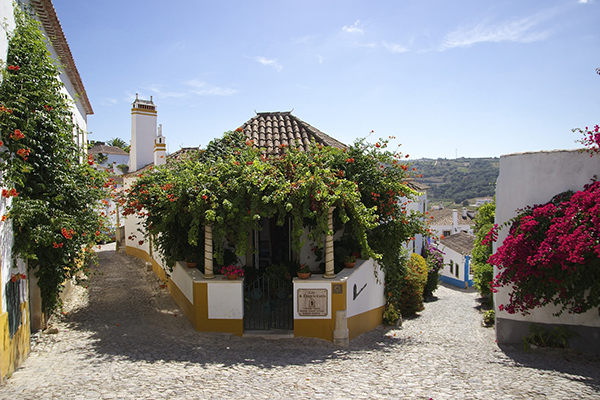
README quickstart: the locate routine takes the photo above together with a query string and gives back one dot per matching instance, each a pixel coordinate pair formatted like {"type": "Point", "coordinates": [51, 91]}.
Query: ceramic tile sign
{"type": "Point", "coordinates": [312, 302]}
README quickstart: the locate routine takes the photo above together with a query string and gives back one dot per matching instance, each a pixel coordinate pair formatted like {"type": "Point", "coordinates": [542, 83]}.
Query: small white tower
{"type": "Point", "coordinates": [143, 133]}
{"type": "Point", "coordinates": [160, 148]}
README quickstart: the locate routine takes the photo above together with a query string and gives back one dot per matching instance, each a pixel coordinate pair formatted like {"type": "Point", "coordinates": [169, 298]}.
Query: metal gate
{"type": "Point", "coordinates": [268, 304]}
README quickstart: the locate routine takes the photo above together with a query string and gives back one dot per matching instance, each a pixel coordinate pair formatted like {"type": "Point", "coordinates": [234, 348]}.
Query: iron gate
{"type": "Point", "coordinates": [268, 304]}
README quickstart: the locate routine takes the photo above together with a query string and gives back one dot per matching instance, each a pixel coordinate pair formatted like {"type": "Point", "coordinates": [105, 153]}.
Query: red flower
{"type": "Point", "coordinates": [23, 153]}
{"type": "Point", "coordinates": [377, 145]}
{"type": "Point", "coordinates": [204, 197]}
{"type": "Point", "coordinates": [68, 234]}
{"type": "Point", "coordinates": [57, 245]}
{"type": "Point", "coordinates": [141, 242]}
{"type": "Point", "coordinates": [1, 143]}
{"type": "Point", "coordinates": [17, 134]}
{"type": "Point", "coordinates": [13, 68]}
{"type": "Point", "coordinates": [349, 160]}
{"type": "Point", "coordinates": [4, 217]}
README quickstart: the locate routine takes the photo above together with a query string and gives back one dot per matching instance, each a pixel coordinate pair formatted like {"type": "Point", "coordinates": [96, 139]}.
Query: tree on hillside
{"type": "Point", "coordinates": [483, 273]}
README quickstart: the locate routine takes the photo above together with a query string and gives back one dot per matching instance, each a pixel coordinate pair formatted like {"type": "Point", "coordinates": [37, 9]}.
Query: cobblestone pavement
{"type": "Point", "coordinates": [124, 338]}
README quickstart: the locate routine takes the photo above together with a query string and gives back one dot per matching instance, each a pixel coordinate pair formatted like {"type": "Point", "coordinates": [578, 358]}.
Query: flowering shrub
{"type": "Point", "coordinates": [435, 262]}
{"type": "Point", "coordinates": [231, 185]}
{"type": "Point", "coordinates": [49, 193]}
{"type": "Point", "coordinates": [232, 270]}
{"type": "Point", "coordinates": [552, 254]}
{"type": "Point", "coordinates": [591, 139]}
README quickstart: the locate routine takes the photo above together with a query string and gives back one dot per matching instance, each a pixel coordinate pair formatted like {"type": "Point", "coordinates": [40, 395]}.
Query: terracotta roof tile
{"type": "Point", "coordinates": [460, 242]}
{"type": "Point", "coordinates": [270, 130]}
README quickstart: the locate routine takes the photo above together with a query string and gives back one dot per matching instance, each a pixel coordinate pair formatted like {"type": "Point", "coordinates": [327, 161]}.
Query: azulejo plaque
{"type": "Point", "coordinates": [312, 302]}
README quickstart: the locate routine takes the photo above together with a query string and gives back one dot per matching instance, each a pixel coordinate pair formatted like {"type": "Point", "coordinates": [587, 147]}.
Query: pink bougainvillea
{"type": "Point", "coordinates": [552, 254]}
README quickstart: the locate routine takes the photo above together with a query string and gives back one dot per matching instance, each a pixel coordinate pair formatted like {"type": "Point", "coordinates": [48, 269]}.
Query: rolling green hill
{"type": "Point", "coordinates": [457, 180]}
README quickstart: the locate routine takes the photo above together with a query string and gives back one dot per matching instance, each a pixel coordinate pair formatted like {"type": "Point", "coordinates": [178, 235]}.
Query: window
{"type": "Point", "coordinates": [446, 233]}
{"type": "Point", "coordinates": [457, 269]}
{"type": "Point", "coordinates": [451, 267]}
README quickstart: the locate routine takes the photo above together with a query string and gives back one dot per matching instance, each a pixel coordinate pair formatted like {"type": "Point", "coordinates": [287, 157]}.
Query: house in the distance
{"type": "Point", "coordinates": [111, 158]}
{"type": "Point", "coordinates": [448, 221]}
{"type": "Point", "coordinates": [457, 250]}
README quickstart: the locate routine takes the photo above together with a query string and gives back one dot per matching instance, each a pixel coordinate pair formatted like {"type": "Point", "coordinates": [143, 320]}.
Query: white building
{"type": "Point", "coordinates": [457, 250]}
{"type": "Point", "coordinates": [446, 222]}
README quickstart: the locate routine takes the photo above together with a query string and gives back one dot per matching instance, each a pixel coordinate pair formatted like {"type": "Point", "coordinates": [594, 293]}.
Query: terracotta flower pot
{"type": "Point", "coordinates": [191, 264]}
{"type": "Point", "coordinates": [232, 276]}
{"type": "Point", "coordinates": [350, 265]}
{"type": "Point", "coordinates": [303, 275]}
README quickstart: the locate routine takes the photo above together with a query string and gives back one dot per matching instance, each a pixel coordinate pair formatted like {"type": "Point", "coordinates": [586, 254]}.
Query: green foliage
{"type": "Point", "coordinates": [483, 273]}
{"type": "Point", "coordinates": [435, 262]}
{"type": "Point", "coordinates": [52, 196]}
{"type": "Point", "coordinates": [458, 179]}
{"type": "Point", "coordinates": [120, 143]}
{"type": "Point", "coordinates": [412, 285]}
{"type": "Point", "coordinates": [231, 185]}
{"type": "Point", "coordinates": [558, 337]}
{"type": "Point", "coordinates": [489, 317]}
{"type": "Point", "coordinates": [391, 315]}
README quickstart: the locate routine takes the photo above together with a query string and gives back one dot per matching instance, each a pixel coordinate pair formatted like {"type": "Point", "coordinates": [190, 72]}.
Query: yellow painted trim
{"type": "Point", "coordinates": [14, 352]}
{"type": "Point", "coordinates": [140, 111]}
{"type": "Point", "coordinates": [365, 322]}
{"type": "Point", "coordinates": [205, 324]}
{"type": "Point", "coordinates": [315, 328]}
{"type": "Point", "coordinates": [197, 313]}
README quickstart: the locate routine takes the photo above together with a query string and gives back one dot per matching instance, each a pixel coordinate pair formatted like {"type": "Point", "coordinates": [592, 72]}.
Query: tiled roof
{"type": "Point", "coordinates": [104, 149]}
{"type": "Point", "coordinates": [460, 242]}
{"type": "Point", "coordinates": [418, 186]}
{"type": "Point", "coordinates": [47, 15]}
{"type": "Point", "coordinates": [270, 130]}
{"type": "Point", "coordinates": [444, 217]}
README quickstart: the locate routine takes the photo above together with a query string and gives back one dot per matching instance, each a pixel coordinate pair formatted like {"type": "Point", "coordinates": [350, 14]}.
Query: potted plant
{"type": "Point", "coordinates": [232, 271]}
{"type": "Point", "coordinates": [303, 272]}
{"type": "Point", "coordinates": [190, 260]}
{"type": "Point", "coordinates": [350, 260]}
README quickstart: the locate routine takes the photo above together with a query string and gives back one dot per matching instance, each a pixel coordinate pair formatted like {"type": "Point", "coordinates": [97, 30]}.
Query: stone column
{"type": "Point", "coordinates": [208, 253]}
{"type": "Point", "coordinates": [329, 248]}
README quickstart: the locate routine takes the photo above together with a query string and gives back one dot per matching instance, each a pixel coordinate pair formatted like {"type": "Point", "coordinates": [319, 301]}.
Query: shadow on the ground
{"type": "Point", "coordinates": [584, 368]}
{"type": "Point", "coordinates": [129, 316]}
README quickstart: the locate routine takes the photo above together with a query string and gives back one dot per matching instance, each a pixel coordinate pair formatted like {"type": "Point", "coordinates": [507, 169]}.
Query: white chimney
{"type": "Point", "coordinates": [160, 148]}
{"type": "Point", "coordinates": [143, 132]}
{"type": "Point", "coordinates": [464, 213]}
{"type": "Point", "coordinates": [454, 221]}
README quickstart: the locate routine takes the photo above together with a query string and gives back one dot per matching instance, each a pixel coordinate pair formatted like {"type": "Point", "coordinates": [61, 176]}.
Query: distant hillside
{"type": "Point", "coordinates": [458, 179]}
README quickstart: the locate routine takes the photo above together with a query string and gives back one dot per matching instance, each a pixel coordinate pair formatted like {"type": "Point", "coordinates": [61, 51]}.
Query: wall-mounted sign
{"type": "Point", "coordinates": [312, 302]}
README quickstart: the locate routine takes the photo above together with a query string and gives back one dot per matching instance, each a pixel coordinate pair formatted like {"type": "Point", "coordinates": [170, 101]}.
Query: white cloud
{"type": "Point", "coordinates": [203, 89]}
{"type": "Point", "coordinates": [156, 89]}
{"type": "Point", "coordinates": [395, 48]}
{"type": "Point", "coordinates": [354, 28]}
{"type": "Point", "coordinates": [515, 30]}
{"type": "Point", "coordinates": [320, 58]}
{"type": "Point", "coordinates": [109, 102]}
{"type": "Point", "coordinates": [585, 1]}
{"type": "Point", "coordinates": [269, 63]}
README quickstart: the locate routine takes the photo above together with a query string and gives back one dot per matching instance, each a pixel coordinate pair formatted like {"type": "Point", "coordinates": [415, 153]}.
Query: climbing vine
{"type": "Point", "coordinates": [49, 186]}
{"type": "Point", "coordinates": [231, 185]}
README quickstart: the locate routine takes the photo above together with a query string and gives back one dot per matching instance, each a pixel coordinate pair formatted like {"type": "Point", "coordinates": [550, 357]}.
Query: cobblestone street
{"type": "Point", "coordinates": [124, 338]}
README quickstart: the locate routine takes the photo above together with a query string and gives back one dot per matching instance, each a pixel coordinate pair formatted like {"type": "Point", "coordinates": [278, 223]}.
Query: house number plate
{"type": "Point", "coordinates": [312, 302]}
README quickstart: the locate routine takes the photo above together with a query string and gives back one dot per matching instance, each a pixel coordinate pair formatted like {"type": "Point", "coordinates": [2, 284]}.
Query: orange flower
{"type": "Point", "coordinates": [23, 153]}
{"type": "Point", "coordinates": [13, 68]}
{"type": "Point", "coordinates": [16, 135]}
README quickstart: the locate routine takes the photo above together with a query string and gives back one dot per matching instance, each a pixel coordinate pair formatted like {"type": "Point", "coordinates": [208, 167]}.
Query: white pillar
{"type": "Point", "coordinates": [329, 270]}
{"type": "Point", "coordinates": [208, 253]}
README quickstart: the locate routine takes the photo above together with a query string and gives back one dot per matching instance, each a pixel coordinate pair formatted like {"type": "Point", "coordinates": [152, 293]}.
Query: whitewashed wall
{"type": "Point", "coordinates": [367, 281]}
{"type": "Point", "coordinates": [529, 179]}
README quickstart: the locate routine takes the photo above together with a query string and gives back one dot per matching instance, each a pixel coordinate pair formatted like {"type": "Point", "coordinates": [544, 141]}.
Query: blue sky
{"type": "Point", "coordinates": [472, 78]}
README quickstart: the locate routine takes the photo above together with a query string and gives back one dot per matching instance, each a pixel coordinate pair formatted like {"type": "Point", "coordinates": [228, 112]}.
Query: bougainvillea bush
{"type": "Point", "coordinates": [552, 255]}
{"type": "Point", "coordinates": [435, 262]}
{"type": "Point", "coordinates": [51, 191]}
